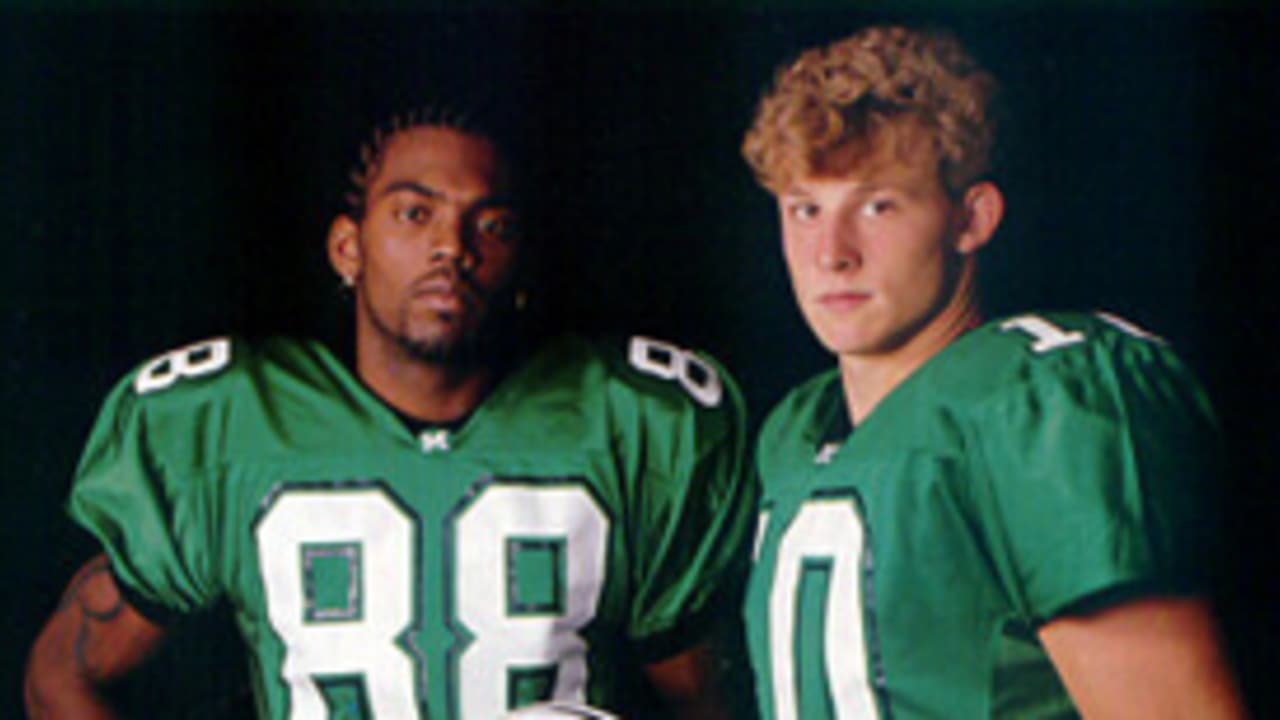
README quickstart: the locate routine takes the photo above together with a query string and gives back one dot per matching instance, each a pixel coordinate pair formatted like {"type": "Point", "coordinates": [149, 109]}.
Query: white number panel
{"type": "Point", "coordinates": [828, 531]}
{"type": "Point", "coordinates": [362, 643]}
{"type": "Point", "coordinates": [566, 521]}
{"type": "Point", "coordinates": [350, 628]}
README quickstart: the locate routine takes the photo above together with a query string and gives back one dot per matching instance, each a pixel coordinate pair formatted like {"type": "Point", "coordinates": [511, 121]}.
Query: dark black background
{"type": "Point", "coordinates": [168, 176]}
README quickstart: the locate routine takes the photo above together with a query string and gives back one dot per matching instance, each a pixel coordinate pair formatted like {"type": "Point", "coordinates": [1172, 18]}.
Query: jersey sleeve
{"type": "Point", "coordinates": [691, 536]}
{"type": "Point", "coordinates": [1098, 476]}
{"type": "Point", "coordinates": [137, 491]}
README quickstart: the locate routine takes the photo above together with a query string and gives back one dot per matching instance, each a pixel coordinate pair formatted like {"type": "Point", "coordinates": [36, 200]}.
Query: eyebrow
{"type": "Point", "coordinates": [868, 187]}
{"type": "Point", "coordinates": [413, 187]}
{"type": "Point", "coordinates": [498, 200]}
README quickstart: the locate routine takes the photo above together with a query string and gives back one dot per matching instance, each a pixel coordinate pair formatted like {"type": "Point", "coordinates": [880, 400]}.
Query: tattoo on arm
{"type": "Point", "coordinates": [94, 594]}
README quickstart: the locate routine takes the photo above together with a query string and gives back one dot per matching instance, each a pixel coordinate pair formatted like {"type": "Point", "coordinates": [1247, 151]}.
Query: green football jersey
{"type": "Point", "coordinates": [580, 523]}
{"type": "Point", "coordinates": [1035, 466]}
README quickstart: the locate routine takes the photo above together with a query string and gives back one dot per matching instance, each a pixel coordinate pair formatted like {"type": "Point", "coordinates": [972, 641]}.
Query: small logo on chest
{"type": "Point", "coordinates": [826, 453]}
{"type": "Point", "coordinates": [434, 440]}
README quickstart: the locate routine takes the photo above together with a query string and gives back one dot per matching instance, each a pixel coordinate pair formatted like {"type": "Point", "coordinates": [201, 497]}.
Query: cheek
{"type": "Point", "coordinates": [498, 266]}
{"type": "Point", "coordinates": [383, 246]}
{"type": "Point", "coordinates": [919, 250]}
{"type": "Point", "coordinates": [795, 267]}
{"type": "Point", "coordinates": [390, 265]}
{"type": "Point", "coordinates": [792, 251]}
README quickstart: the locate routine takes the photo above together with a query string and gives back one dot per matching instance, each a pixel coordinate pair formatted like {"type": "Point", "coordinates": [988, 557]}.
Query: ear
{"type": "Point", "coordinates": [344, 248]}
{"type": "Point", "coordinates": [982, 212]}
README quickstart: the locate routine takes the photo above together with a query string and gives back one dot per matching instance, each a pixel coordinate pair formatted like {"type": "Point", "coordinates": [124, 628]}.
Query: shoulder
{"type": "Point", "coordinates": [636, 372]}
{"type": "Point", "coordinates": [1085, 355]}
{"type": "Point", "coordinates": [1066, 383]}
{"type": "Point", "coordinates": [223, 363]}
{"type": "Point", "coordinates": [643, 398]}
{"type": "Point", "coordinates": [804, 414]}
{"type": "Point", "coordinates": [799, 424]}
{"type": "Point", "coordinates": [215, 373]}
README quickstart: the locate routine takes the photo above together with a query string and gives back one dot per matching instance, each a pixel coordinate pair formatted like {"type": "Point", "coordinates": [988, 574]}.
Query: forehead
{"type": "Point", "coordinates": [446, 160]}
{"type": "Point", "coordinates": [905, 161]}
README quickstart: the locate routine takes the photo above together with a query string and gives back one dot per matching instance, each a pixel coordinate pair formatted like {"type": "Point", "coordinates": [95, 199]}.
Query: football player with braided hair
{"type": "Point", "coordinates": [962, 518]}
{"type": "Point", "coordinates": [457, 526]}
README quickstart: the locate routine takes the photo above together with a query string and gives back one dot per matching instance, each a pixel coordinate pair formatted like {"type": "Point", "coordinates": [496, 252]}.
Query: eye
{"type": "Point", "coordinates": [503, 226]}
{"type": "Point", "coordinates": [417, 214]}
{"type": "Point", "coordinates": [802, 210]}
{"type": "Point", "coordinates": [878, 207]}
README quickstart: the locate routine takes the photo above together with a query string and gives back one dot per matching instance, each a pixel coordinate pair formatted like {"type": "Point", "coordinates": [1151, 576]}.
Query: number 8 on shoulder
{"type": "Point", "coordinates": [666, 361]}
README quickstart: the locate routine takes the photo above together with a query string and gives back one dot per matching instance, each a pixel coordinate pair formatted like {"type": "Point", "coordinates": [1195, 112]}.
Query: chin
{"type": "Point", "coordinates": [441, 342]}
{"type": "Point", "coordinates": [848, 341]}
{"type": "Point", "coordinates": [440, 351]}
{"type": "Point", "coordinates": [453, 344]}
{"type": "Point", "coordinates": [861, 344]}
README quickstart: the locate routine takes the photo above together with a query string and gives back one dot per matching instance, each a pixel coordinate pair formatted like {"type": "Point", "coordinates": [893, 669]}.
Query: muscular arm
{"type": "Point", "coordinates": [93, 638]}
{"type": "Point", "coordinates": [1158, 657]}
{"type": "Point", "coordinates": [690, 684]}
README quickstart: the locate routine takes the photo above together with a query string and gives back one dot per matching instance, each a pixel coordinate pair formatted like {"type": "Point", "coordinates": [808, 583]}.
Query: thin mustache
{"type": "Point", "coordinates": [457, 282]}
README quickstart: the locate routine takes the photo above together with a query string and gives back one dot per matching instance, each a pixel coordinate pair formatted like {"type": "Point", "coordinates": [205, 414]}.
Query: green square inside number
{"type": "Point", "coordinates": [535, 576]}
{"type": "Point", "coordinates": [331, 582]}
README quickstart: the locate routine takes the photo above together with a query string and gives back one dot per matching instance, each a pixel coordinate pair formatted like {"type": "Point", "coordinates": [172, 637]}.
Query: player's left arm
{"type": "Point", "coordinates": [696, 554]}
{"type": "Point", "coordinates": [1153, 657]}
{"type": "Point", "coordinates": [690, 684]}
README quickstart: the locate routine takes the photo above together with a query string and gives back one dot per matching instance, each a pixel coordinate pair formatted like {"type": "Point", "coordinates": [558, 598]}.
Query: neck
{"type": "Point", "coordinates": [869, 378]}
{"type": "Point", "coordinates": [432, 391]}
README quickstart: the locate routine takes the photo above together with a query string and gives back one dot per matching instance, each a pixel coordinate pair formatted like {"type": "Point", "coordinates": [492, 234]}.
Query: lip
{"type": "Point", "coordinates": [442, 294]}
{"type": "Point", "coordinates": [446, 302]}
{"type": "Point", "coordinates": [842, 301]}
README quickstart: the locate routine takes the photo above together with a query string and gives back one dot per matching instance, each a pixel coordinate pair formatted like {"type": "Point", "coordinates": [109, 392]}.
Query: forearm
{"type": "Point", "coordinates": [50, 695]}
{"type": "Point", "coordinates": [707, 707]}
{"type": "Point", "coordinates": [690, 686]}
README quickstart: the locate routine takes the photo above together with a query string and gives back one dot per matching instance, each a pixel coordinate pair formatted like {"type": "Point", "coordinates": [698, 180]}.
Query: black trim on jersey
{"type": "Point", "coordinates": [875, 656]}
{"type": "Point", "coordinates": [693, 630]}
{"type": "Point", "coordinates": [1127, 592]}
{"type": "Point", "coordinates": [417, 426]}
{"type": "Point", "coordinates": [833, 493]}
{"type": "Point", "coordinates": [324, 486]}
{"type": "Point", "coordinates": [832, 427]}
{"type": "Point", "coordinates": [838, 428]}
{"type": "Point", "coordinates": [149, 609]}
{"type": "Point", "coordinates": [508, 358]}
{"type": "Point", "coordinates": [831, 422]}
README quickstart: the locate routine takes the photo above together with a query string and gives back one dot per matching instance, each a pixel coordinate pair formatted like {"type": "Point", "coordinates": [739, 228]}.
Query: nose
{"type": "Point", "coordinates": [836, 246]}
{"type": "Point", "coordinates": [448, 240]}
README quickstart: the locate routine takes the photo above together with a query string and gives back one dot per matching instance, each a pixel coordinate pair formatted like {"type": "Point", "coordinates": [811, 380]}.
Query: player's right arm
{"type": "Point", "coordinates": [135, 475]}
{"type": "Point", "coordinates": [94, 638]}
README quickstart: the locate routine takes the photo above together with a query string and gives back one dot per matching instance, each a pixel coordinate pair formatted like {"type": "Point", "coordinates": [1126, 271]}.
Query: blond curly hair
{"type": "Point", "coordinates": [835, 106]}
